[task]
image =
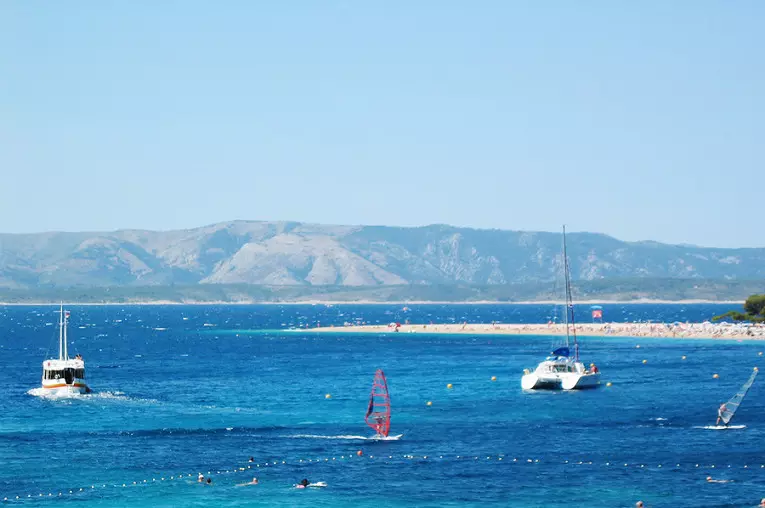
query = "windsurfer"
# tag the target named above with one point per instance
(378, 410)
(720, 412)
(379, 426)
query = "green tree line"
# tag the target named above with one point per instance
(754, 311)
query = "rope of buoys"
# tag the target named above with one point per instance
(517, 461)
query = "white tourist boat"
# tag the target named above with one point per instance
(64, 375)
(561, 370)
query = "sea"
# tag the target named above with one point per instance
(237, 392)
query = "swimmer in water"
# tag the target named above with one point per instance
(639, 504)
(711, 480)
(209, 481)
(762, 503)
(253, 482)
(201, 478)
(720, 412)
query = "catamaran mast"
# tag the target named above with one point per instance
(569, 300)
(565, 275)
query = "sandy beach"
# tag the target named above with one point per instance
(704, 330)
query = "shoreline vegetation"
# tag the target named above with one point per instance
(706, 330)
(754, 311)
(594, 292)
(371, 302)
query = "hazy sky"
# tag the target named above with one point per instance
(643, 120)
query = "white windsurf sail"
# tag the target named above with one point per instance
(733, 404)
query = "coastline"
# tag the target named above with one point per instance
(641, 301)
(704, 330)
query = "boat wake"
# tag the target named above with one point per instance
(44, 393)
(721, 427)
(93, 396)
(347, 437)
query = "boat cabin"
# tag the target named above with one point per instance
(561, 365)
(66, 371)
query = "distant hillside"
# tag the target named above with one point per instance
(276, 254)
(600, 290)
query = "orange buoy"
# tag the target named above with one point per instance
(359, 453)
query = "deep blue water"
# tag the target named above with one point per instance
(174, 396)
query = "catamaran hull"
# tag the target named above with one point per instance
(561, 382)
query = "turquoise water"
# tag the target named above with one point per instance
(183, 390)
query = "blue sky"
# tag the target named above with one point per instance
(643, 120)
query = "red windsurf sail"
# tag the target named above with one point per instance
(378, 411)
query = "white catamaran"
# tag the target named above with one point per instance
(64, 375)
(560, 370)
(728, 410)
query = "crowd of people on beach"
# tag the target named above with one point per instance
(689, 330)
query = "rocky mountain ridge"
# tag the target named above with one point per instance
(291, 253)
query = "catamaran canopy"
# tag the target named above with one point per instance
(561, 351)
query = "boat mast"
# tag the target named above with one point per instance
(61, 333)
(66, 352)
(565, 274)
(569, 300)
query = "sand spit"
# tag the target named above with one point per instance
(704, 330)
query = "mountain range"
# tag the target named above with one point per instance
(279, 254)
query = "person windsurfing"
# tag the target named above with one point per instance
(720, 411)
(378, 410)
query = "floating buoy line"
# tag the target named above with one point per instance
(359, 456)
